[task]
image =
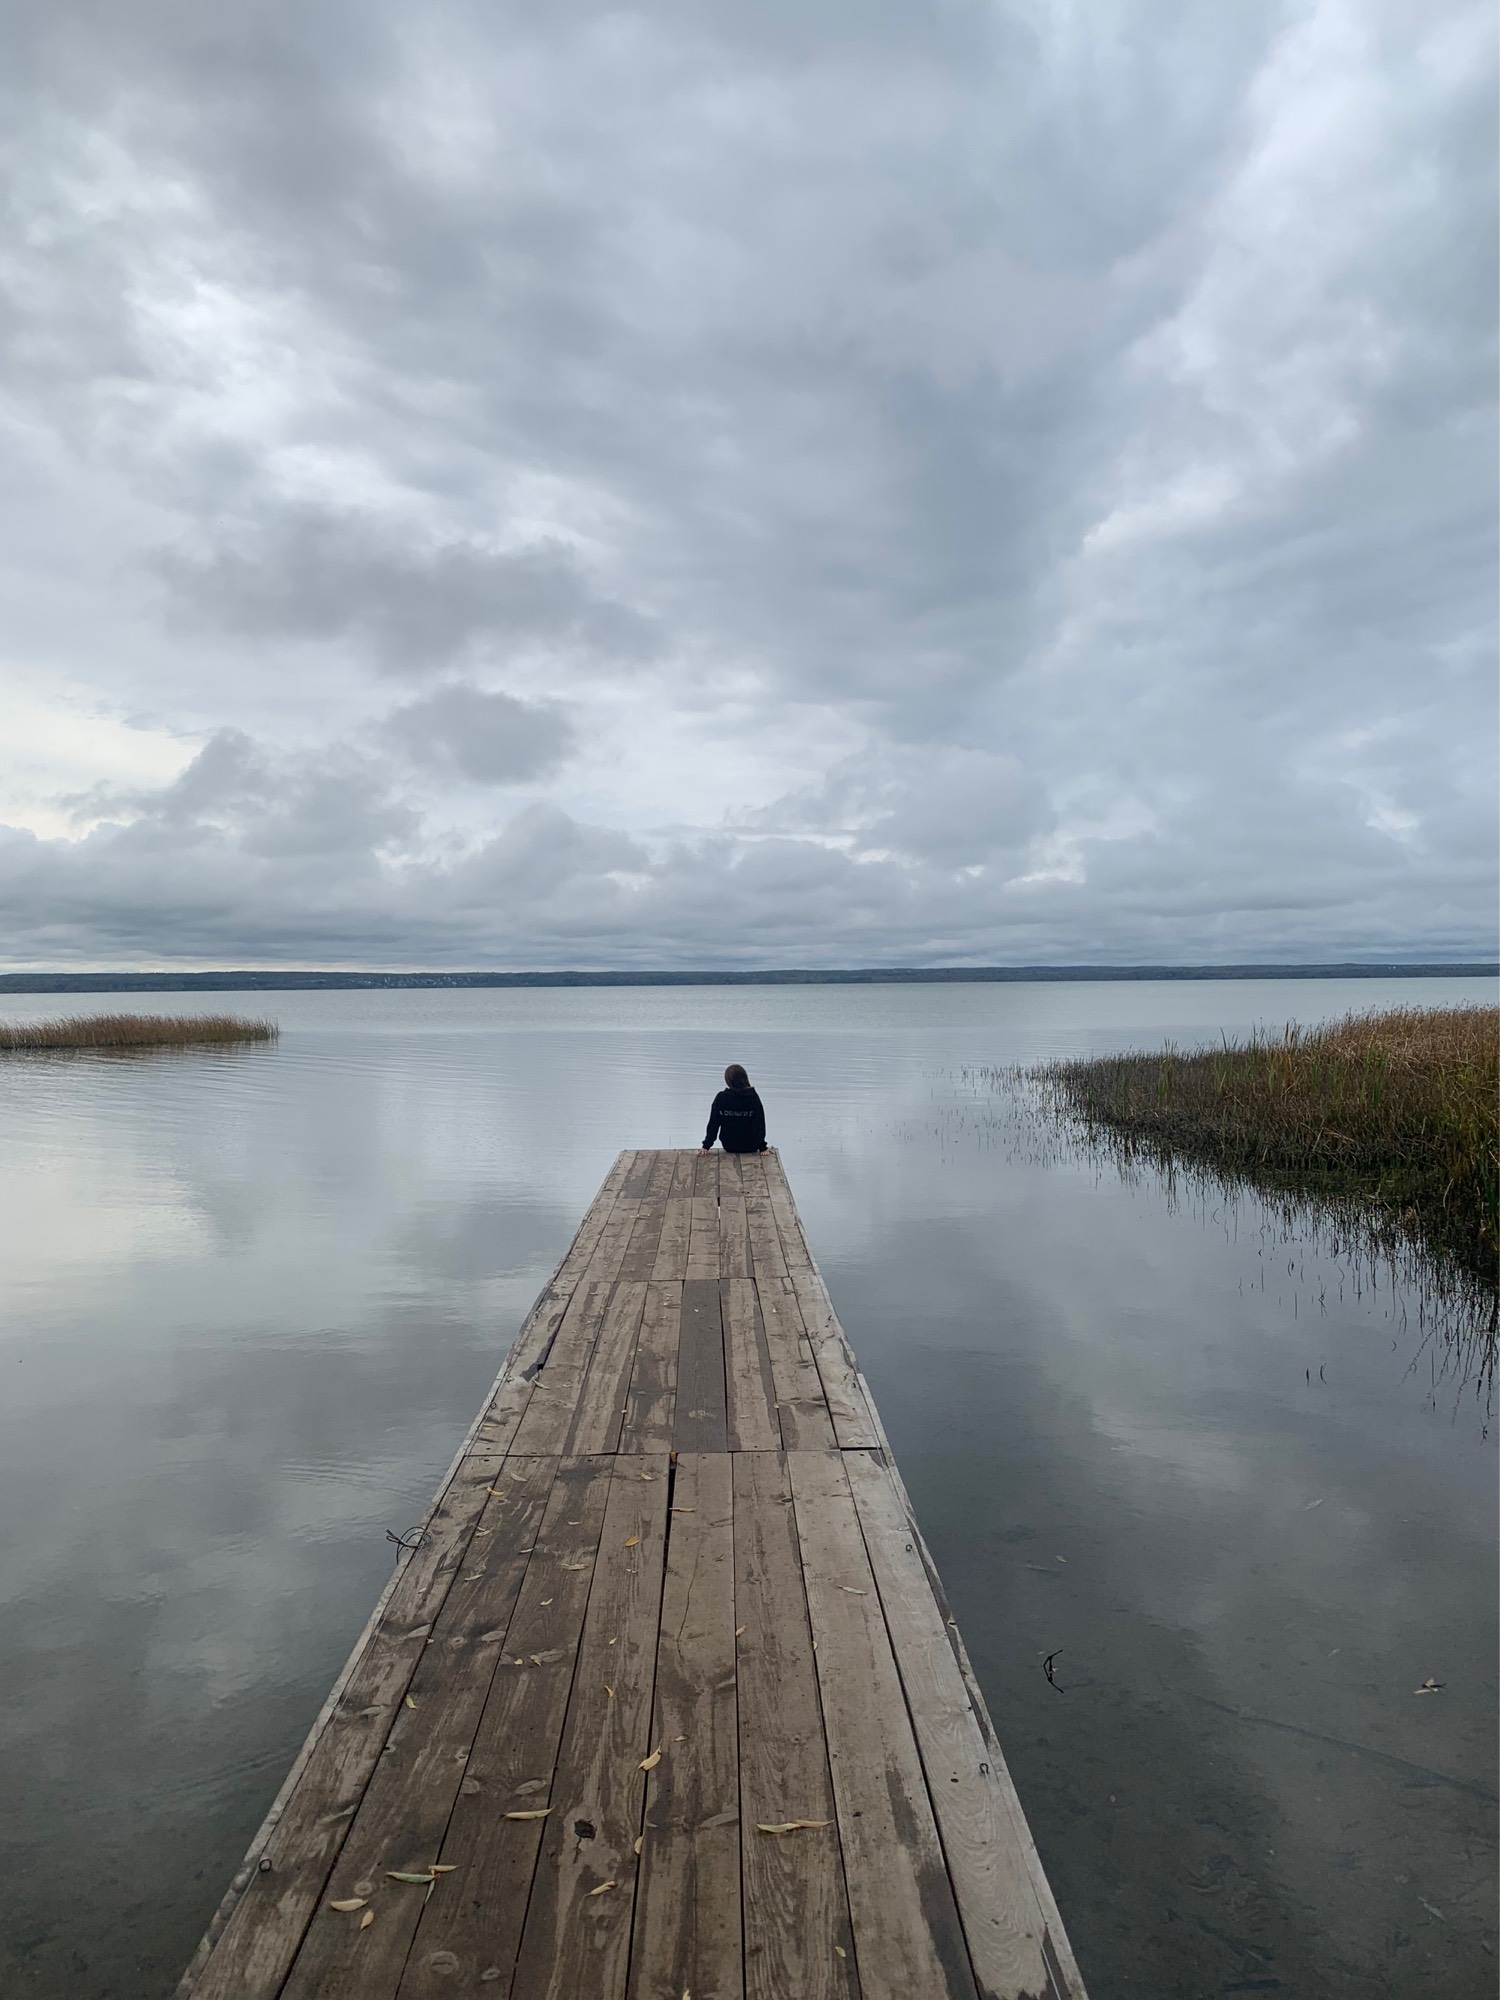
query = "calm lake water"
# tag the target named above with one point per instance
(250, 1302)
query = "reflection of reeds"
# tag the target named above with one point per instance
(1392, 1120)
(135, 1031)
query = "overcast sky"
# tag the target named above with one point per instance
(804, 482)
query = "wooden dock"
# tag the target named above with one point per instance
(667, 1702)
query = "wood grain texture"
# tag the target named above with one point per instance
(651, 1405)
(853, 1424)
(672, 1247)
(252, 1953)
(580, 1252)
(639, 1260)
(796, 1911)
(806, 1422)
(404, 1815)
(576, 1942)
(687, 1915)
(754, 1423)
(766, 1258)
(999, 1911)
(906, 1928)
(788, 1224)
(544, 1428)
(702, 1421)
(703, 1239)
(600, 1409)
(474, 1918)
(501, 1418)
(734, 1230)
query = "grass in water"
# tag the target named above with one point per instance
(135, 1031)
(1389, 1121)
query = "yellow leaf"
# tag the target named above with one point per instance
(366, 1920)
(349, 1903)
(409, 1702)
(540, 1812)
(609, 1690)
(738, 1631)
(640, 1842)
(684, 1510)
(650, 1763)
(648, 1477)
(444, 1867)
(602, 1887)
(634, 1542)
(498, 1495)
(841, 1951)
(790, 1825)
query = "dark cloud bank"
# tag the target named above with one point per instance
(780, 485)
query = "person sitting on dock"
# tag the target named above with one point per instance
(738, 1118)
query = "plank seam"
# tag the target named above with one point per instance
(823, 1718)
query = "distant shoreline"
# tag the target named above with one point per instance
(264, 981)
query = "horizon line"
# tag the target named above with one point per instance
(292, 978)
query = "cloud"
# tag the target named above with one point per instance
(410, 605)
(998, 486)
(491, 738)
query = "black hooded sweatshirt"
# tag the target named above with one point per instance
(738, 1118)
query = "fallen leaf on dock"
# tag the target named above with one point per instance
(575, 1565)
(1431, 1911)
(640, 1842)
(539, 1812)
(497, 1495)
(738, 1631)
(650, 1763)
(790, 1825)
(602, 1887)
(444, 1867)
(634, 1542)
(684, 1510)
(609, 1690)
(531, 1785)
(853, 1592)
(648, 1477)
(1429, 1686)
(366, 1920)
(839, 1949)
(349, 1903)
(409, 1702)
(405, 1875)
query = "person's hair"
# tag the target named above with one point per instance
(736, 1078)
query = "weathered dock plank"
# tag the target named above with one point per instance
(667, 1697)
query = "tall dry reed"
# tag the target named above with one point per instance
(1397, 1112)
(134, 1031)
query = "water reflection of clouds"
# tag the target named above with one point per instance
(306, 1274)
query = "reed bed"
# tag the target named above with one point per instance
(1393, 1116)
(125, 1032)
